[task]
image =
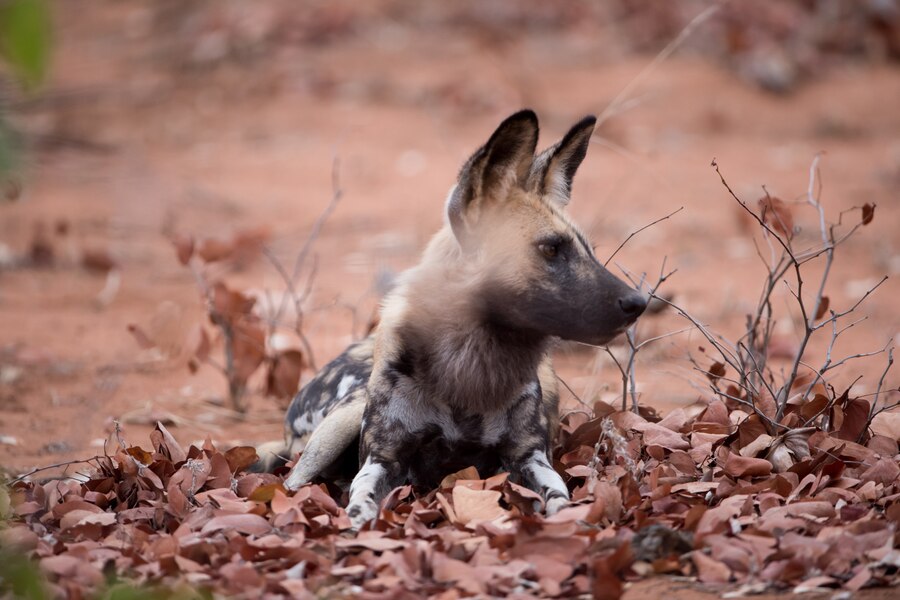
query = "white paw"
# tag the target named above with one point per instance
(554, 504)
(362, 513)
(295, 480)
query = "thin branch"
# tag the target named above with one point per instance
(336, 194)
(837, 315)
(859, 355)
(663, 55)
(634, 233)
(571, 391)
(728, 357)
(660, 337)
(758, 219)
(66, 463)
(872, 411)
(624, 378)
(298, 301)
(750, 405)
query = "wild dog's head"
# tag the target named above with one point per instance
(536, 271)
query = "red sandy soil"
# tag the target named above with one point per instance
(228, 146)
(234, 148)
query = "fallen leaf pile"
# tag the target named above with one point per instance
(702, 492)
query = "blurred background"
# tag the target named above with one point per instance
(230, 127)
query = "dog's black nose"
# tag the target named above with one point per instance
(633, 304)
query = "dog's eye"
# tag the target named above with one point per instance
(549, 250)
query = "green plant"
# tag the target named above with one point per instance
(25, 44)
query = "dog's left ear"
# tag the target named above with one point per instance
(553, 169)
(502, 163)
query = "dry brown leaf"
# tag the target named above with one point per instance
(473, 506)
(140, 455)
(885, 471)
(605, 584)
(750, 429)
(710, 570)
(814, 407)
(823, 307)
(450, 570)
(241, 457)
(676, 420)
(213, 250)
(266, 493)
(741, 466)
(777, 214)
(248, 349)
(655, 434)
(470, 473)
(98, 260)
(883, 445)
(716, 371)
(184, 248)
(283, 374)
(246, 523)
(756, 446)
(789, 449)
(379, 544)
(855, 419)
(166, 444)
(229, 303)
(887, 424)
(868, 213)
(607, 503)
(715, 412)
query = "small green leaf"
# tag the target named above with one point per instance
(25, 38)
(20, 578)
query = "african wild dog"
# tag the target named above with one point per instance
(458, 372)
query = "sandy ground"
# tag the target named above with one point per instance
(223, 146)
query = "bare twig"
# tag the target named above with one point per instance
(685, 33)
(756, 217)
(748, 357)
(661, 337)
(571, 391)
(298, 309)
(872, 409)
(65, 463)
(637, 231)
(290, 280)
(727, 354)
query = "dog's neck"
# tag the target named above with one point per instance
(470, 365)
(458, 351)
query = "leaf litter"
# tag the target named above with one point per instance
(703, 493)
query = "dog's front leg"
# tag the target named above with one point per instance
(525, 453)
(533, 470)
(375, 479)
(384, 464)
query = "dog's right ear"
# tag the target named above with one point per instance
(504, 161)
(553, 169)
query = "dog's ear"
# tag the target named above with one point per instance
(554, 168)
(504, 161)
